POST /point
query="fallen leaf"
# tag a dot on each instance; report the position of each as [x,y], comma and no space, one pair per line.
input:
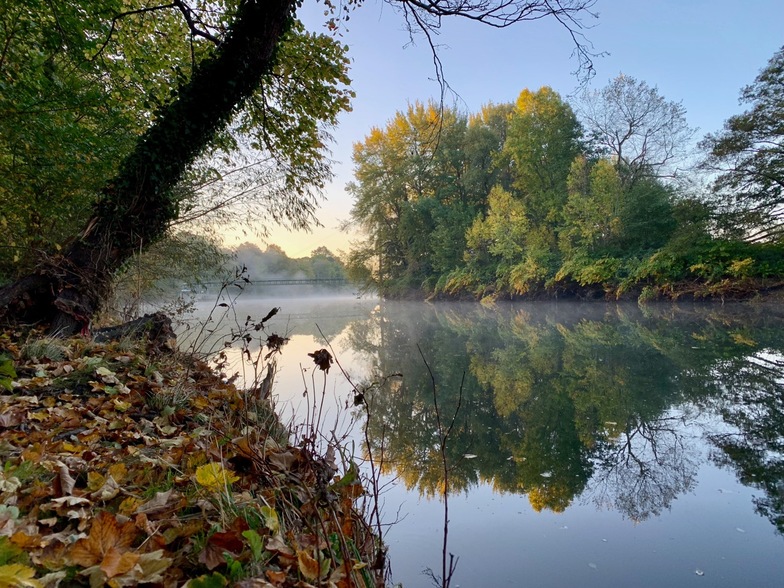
[109,490]
[94,481]
[161,502]
[105,534]
[276,576]
[218,544]
[67,482]
[214,580]
[17,575]
[148,569]
[118,471]
[276,543]
[310,568]
[26,541]
[68,501]
[271,520]
[253,583]
[115,562]
[282,460]
[214,477]
[12,418]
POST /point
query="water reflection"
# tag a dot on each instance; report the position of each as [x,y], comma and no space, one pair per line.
[611,405]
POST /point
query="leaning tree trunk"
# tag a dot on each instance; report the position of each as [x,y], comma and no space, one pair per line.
[137,205]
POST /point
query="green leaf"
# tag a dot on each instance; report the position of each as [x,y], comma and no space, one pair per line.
[7,373]
[255,542]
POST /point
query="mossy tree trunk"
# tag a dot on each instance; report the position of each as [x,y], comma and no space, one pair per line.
[136,208]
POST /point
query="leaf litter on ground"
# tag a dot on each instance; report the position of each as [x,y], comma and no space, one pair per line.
[123,467]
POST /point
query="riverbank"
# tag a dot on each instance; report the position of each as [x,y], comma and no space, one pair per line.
[126,463]
[747,289]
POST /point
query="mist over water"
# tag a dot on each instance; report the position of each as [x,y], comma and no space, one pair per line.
[594,445]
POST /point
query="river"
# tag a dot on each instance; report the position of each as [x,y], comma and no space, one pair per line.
[588,444]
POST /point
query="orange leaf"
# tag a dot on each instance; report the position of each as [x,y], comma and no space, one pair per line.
[308,566]
[116,563]
[105,534]
[276,577]
[25,541]
[118,471]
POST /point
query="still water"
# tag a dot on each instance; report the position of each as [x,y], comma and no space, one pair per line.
[590,444]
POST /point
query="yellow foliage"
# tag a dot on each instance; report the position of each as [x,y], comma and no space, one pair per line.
[18,576]
[214,477]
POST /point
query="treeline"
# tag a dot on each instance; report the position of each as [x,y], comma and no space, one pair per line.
[543,198]
[186,262]
[273,263]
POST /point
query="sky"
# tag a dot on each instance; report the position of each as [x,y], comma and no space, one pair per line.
[697,52]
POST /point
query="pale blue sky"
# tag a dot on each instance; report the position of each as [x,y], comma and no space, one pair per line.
[699,52]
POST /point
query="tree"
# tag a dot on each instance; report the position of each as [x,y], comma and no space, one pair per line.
[748,154]
[544,138]
[604,217]
[642,132]
[394,171]
[133,208]
[83,80]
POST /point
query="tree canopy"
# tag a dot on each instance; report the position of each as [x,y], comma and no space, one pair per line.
[748,155]
[172,83]
[81,83]
[562,204]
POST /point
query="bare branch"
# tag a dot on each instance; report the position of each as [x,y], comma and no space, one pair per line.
[193,21]
[424,16]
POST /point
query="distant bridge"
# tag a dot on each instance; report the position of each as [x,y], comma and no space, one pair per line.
[290,282]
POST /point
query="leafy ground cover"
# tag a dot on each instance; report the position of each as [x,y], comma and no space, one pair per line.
[123,465]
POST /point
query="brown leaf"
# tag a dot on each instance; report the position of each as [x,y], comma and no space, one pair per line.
[275,576]
[308,566]
[253,583]
[229,541]
[322,359]
[115,562]
[161,502]
[25,541]
[276,543]
[12,418]
[211,556]
[148,570]
[218,544]
[105,534]
[66,481]
[283,460]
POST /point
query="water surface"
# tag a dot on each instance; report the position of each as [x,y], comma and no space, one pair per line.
[590,444]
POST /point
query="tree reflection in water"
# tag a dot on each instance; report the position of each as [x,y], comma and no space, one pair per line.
[600,406]
[753,405]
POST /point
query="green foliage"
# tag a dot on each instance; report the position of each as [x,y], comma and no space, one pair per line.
[10,553]
[511,201]
[7,373]
[81,81]
[273,263]
[214,580]
[747,153]
[161,271]
[420,182]
[544,138]
[553,402]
